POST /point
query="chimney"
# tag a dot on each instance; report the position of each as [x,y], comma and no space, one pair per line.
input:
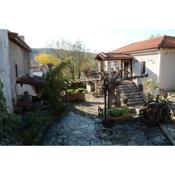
[22,37]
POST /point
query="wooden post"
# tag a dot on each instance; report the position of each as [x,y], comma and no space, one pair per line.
[121,69]
[105,95]
[97,88]
[131,67]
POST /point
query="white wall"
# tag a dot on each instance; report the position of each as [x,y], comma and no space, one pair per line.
[21,89]
[167,69]
[5,68]
[152,60]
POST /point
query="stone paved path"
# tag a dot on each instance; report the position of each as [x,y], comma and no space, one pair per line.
[89,107]
[169,130]
[75,129]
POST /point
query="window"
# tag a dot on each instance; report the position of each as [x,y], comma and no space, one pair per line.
[16,70]
[142,67]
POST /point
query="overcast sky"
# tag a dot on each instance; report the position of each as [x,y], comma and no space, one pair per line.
[101,25]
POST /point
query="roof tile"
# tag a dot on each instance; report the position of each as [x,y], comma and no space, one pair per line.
[155,43]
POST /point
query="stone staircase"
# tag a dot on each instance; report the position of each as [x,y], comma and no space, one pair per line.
[128,90]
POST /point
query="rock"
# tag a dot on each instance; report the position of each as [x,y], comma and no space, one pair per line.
[95,142]
[104,142]
[83,125]
[132,143]
[83,143]
[91,127]
[77,132]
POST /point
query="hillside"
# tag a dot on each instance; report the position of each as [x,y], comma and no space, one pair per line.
[60,53]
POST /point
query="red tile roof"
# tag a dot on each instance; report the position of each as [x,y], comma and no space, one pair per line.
[113,56]
[155,43]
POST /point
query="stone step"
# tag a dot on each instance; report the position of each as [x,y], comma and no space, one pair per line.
[126,88]
[132,96]
[132,85]
[135,103]
[129,91]
[136,100]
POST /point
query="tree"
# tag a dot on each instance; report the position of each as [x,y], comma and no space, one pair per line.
[154,36]
[44,58]
[56,83]
[76,53]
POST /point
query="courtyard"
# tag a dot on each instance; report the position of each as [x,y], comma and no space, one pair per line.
[81,126]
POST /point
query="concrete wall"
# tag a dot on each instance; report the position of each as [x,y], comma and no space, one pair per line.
[20,57]
[5,68]
[152,60]
[167,69]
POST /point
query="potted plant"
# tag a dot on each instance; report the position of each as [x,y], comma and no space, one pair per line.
[121,113]
[76,95]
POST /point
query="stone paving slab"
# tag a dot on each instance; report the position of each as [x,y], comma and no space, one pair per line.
[75,129]
[169,130]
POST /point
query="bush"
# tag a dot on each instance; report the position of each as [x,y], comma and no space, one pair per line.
[150,88]
[76,90]
[33,125]
[56,84]
[82,90]
[9,128]
[117,112]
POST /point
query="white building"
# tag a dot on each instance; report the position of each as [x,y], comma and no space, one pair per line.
[153,56]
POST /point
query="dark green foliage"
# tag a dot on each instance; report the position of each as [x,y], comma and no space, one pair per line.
[117,112]
[77,85]
[82,90]
[56,83]
[33,125]
[9,128]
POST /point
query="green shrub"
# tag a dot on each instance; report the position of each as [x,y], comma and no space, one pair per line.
[71,91]
[150,88]
[80,90]
[9,128]
[76,90]
[32,126]
[117,112]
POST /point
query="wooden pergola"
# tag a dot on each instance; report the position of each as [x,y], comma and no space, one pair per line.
[125,59]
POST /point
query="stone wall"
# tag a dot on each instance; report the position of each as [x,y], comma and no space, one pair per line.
[20,58]
[5,68]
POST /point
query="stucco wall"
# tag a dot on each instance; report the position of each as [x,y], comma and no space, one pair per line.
[152,60]
[20,57]
[167,69]
[5,68]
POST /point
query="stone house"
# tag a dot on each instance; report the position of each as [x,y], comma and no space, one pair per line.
[14,62]
[153,56]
